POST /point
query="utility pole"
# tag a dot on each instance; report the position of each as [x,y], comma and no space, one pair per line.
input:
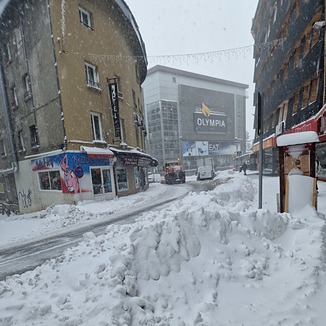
[260,134]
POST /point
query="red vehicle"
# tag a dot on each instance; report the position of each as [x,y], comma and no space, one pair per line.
[174,173]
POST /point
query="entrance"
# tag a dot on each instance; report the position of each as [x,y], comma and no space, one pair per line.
[102,182]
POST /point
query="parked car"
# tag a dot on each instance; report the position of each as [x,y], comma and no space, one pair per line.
[205,172]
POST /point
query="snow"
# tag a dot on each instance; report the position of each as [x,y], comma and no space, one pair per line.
[211,258]
[96,150]
[303,137]
[301,190]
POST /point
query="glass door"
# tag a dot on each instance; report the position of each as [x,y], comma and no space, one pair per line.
[101,181]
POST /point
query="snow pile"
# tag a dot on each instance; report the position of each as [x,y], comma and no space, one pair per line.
[210,259]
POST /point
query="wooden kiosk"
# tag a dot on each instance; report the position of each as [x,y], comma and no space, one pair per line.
[297,161]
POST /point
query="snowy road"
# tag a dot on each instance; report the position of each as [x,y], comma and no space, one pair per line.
[27,255]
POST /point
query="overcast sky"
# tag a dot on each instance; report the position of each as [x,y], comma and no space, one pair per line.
[221,29]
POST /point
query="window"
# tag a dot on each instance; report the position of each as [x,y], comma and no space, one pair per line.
[7,53]
[122,180]
[295,103]
[14,99]
[122,130]
[3,152]
[92,78]
[96,127]
[305,96]
[34,136]
[21,143]
[315,37]
[313,91]
[85,17]
[120,94]
[27,87]
[18,37]
[50,180]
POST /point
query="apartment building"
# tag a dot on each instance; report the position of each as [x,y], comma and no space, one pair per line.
[72,121]
[192,116]
[289,37]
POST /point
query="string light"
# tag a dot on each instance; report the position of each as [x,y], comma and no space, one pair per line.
[220,55]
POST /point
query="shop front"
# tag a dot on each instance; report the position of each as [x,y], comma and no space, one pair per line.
[130,169]
[316,124]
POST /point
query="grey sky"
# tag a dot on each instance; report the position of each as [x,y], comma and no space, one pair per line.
[219,28]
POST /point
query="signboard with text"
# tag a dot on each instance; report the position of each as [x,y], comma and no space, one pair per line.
[113,93]
[214,123]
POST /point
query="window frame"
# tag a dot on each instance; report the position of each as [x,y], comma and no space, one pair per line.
[7,53]
[21,141]
[92,83]
[50,180]
[122,185]
[34,136]
[3,151]
[94,127]
[14,98]
[83,12]
[27,87]
[18,37]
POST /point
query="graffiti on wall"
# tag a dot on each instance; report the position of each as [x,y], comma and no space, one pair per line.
[26,198]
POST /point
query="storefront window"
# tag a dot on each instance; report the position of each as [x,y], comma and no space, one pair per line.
[321,160]
[49,180]
[137,177]
[122,179]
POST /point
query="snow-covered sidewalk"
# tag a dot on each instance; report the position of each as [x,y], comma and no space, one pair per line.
[210,259]
[20,228]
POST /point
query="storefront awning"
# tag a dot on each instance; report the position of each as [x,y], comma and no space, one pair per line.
[297,138]
[133,157]
[96,152]
[267,143]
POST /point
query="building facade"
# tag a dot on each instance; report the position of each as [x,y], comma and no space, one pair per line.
[191,116]
[289,49]
[71,104]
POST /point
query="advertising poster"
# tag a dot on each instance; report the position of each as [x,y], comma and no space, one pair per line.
[74,169]
[205,148]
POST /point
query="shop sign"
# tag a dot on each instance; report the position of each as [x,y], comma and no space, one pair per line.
[133,160]
[113,93]
[129,160]
[214,123]
[310,125]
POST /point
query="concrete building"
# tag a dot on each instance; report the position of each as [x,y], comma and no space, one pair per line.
[289,72]
[191,116]
[72,121]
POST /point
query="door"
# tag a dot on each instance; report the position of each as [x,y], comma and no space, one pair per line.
[102,182]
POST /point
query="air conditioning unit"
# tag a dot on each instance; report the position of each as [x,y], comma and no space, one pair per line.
[279,129]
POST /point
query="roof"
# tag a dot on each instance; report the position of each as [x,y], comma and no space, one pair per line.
[169,70]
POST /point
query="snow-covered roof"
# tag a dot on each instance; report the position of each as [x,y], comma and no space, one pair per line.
[97,150]
[297,138]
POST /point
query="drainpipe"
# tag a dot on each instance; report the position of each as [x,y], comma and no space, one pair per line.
[56,68]
[9,131]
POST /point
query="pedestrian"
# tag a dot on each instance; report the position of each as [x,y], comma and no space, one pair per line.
[244,168]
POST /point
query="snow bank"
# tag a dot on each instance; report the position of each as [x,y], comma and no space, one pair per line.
[210,259]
